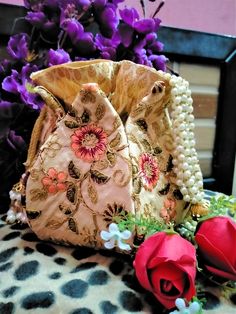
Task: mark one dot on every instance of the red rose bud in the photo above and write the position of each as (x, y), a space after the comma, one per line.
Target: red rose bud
(165, 264)
(216, 239)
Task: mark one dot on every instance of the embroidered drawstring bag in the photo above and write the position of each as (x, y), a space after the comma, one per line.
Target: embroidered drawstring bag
(113, 139)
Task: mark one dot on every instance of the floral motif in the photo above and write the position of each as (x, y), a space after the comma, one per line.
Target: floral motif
(115, 237)
(149, 170)
(114, 212)
(194, 307)
(55, 181)
(89, 143)
(168, 212)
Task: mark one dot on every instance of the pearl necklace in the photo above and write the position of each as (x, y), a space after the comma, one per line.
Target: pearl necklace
(185, 160)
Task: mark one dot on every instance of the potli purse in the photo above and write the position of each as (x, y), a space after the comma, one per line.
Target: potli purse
(114, 140)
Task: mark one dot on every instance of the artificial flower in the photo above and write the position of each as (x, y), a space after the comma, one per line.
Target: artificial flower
(194, 307)
(165, 264)
(18, 46)
(58, 56)
(216, 243)
(114, 237)
(89, 143)
(149, 170)
(55, 181)
(17, 83)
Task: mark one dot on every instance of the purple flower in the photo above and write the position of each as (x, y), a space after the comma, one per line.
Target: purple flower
(58, 56)
(40, 20)
(85, 45)
(145, 26)
(74, 29)
(106, 46)
(33, 5)
(16, 83)
(106, 18)
(129, 15)
(158, 61)
(18, 46)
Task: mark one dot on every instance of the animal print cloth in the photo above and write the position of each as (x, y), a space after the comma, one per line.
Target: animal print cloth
(39, 277)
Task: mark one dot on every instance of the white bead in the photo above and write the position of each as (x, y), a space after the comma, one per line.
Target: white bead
(178, 109)
(181, 157)
(192, 143)
(191, 126)
(173, 81)
(184, 98)
(177, 100)
(181, 117)
(179, 182)
(186, 198)
(160, 72)
(185, 166)
(183, 190)
(190, 109)
(191, 181)
(189, 160)
(193, 153)
(182, 127)
(187, 174)
(188, 92)
(193, 189)
(190, 118)
(196, 168)
(190, 101)
(174, 161)
(167, 76)
(199, 197)
(186, 144)
(199, 184)
(184, 134)
(194, 200)
(198, 175)
(187, 152)
(174, 91)
(179, 149)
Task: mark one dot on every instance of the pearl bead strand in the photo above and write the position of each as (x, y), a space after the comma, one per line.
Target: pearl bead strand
(185, 160)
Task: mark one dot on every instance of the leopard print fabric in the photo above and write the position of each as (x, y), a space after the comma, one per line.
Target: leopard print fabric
(41, 277)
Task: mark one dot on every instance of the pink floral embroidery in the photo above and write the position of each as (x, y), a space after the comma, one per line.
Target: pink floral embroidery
(149, 170)
(168, 212)
(89, 142)
(54, 181)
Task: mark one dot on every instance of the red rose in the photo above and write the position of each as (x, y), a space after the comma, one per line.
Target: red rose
(216, 239)
(165, 264)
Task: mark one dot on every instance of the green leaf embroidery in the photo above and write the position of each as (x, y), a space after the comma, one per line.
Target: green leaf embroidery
(116, 141)
(100, 111)
(93, 195)
(71, 124)
(71, 193)
(99, 177)
(74, 172)
(111, 158)
(72, 225)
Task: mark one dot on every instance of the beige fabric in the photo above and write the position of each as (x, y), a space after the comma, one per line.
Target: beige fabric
(93, 168)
